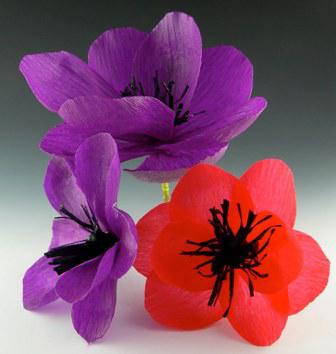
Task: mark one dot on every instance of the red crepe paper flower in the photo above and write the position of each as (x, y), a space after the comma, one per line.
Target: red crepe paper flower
(226, 247)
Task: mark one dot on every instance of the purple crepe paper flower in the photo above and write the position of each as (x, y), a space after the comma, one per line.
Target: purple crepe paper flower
(160, 94)
(93, 242)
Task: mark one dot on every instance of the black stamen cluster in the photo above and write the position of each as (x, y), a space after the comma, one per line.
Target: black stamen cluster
(71, 255)
(229, 251)
(164, 92)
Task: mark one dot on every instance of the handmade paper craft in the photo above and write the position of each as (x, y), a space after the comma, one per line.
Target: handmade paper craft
(93, 242)
(180, 103)
(227, 247)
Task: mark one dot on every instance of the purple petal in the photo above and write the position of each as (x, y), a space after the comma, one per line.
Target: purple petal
(57, 76)
(74, 284)
(173, 159)
(217, 156)
(129, 150)
(39, 285)
(106, 266)
(97, 169)
(174, 50)
(62, 140)
(225, 80)
(65, 231)
(92, 316)
(229, 127)
(111, 55)
(129, 118)
(223, 125)
(123, 226)
(62, 190)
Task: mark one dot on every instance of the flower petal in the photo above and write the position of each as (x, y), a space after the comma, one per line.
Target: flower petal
(279, 254)
(239, 208)
(155, 176)
(259, 319)
(123, 226)
(129, 150)
(105, 267)
(97, 169)
(175, 268)
(179, 308)
(173, 49)
(282, 264)
(149, 228)
(74, 284)
(111, 55)
(62, 140)
(57, 76)
(39, 285)
(231, 126)
(222, 125)
(170, 161)
(65, 231)
(61, 188)
(271, 185)
(313, 278)
(225, 80)
(92, 316)
(217, 156)
(201, 188)
(128, 118)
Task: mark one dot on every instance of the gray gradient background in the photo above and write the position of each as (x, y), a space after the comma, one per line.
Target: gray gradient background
(292, 45)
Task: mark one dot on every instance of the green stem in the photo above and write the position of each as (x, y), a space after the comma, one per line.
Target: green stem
(165, 191)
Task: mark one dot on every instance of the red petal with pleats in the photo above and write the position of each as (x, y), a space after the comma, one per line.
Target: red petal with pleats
(202, 187)
(271, 186)
(179, 308)
(313, 278)
(259, 319)
(149, 228)
(172, 267)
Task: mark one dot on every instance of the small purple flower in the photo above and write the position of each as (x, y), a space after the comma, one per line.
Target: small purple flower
(159, 94)
(93, 242)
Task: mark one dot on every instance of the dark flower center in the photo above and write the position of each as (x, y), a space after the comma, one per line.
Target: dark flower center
(229, 251)
(71, 255)
(164, 92)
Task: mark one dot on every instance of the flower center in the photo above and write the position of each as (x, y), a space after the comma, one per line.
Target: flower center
(229, 251)
(164, 92)
(68, 256)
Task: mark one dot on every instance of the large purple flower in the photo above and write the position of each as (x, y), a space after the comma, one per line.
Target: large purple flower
(160, 94)
(93, 242)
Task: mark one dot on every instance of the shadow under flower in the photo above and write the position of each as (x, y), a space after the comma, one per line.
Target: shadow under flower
(58, 308)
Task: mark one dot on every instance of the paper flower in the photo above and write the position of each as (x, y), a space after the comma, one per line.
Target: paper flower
(226, 247)
(93, 242)
(181, 103)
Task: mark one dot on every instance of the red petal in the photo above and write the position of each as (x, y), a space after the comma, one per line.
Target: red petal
(265, 220)
(282, 264)
(149, 227)
(179, 308)
(271, 186)
(201, 188)
(176, 269)
(240, 206)
(313, 278)
(259, 319)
